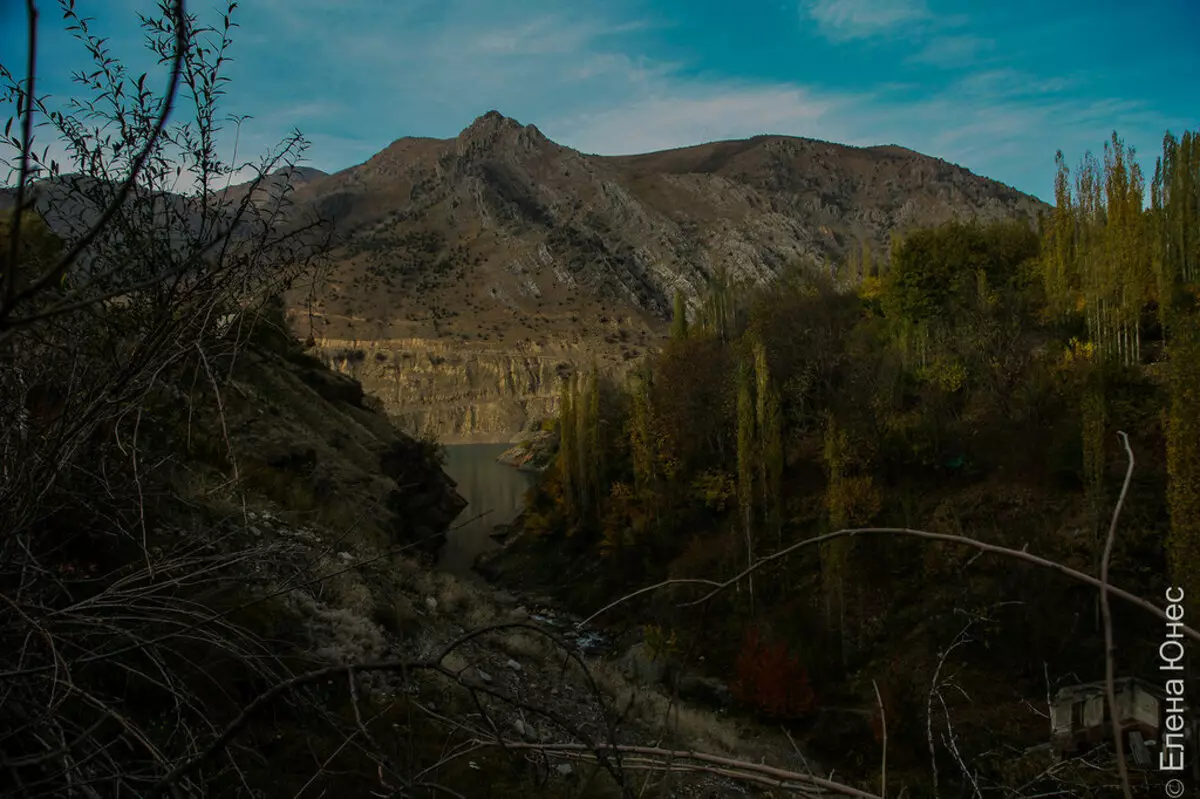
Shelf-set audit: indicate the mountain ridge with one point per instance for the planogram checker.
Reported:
(504, 251)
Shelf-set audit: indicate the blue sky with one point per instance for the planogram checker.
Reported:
(994, 86)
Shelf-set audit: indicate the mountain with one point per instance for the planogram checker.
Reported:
(503, 217)
(271, 185)
(472, 271)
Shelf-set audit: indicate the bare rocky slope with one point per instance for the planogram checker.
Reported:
(471, 271)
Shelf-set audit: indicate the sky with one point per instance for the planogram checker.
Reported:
(996, 87)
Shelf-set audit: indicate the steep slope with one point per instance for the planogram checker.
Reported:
(491, 258)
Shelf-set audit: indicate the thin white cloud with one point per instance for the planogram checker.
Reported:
(844, 20)
(591, 79)
(694, 114)
(1003, 124)
(997, 84)
(552, 34)
(582, 77)
(953, 51)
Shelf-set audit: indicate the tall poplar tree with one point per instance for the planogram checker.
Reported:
(1183, 457)
(868, 261)
(1059, 268)
(770, 443)
(679, 320)
(584, 449)
(1176, 204)
(595, 443)
(1126, 253)
(641, 442)
(835, 554)
(567, 448)
(717, 310)
(745, 462)
(1175, 200)
(773, 455)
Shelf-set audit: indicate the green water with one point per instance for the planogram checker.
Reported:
(493, 489)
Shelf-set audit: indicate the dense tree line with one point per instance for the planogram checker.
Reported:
(929, 386)
(1129, 271)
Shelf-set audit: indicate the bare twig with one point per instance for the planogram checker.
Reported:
(180, 20)
(957, 539)
(657, 757)
(646, 590)
(434, 664)
(1106, 612)
(935, 687)
(26, 107)
(883, 725)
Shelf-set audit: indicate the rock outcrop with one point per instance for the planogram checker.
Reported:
(464, 392)
(533, 453)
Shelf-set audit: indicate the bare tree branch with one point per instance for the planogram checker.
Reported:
(25, 106)
(1106, 611)
(1017, 554)
(883, 727)
(82, 243)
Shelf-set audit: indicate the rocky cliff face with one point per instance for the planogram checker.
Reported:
(505, 254)
(465, 393)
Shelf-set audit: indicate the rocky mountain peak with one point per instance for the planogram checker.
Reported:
(473, 268)
(491, 120)
(494, 131)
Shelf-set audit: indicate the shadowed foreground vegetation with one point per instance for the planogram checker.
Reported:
(208, 573)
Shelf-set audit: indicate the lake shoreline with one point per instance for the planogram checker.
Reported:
(495, 495)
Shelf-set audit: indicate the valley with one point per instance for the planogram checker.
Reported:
(480, 465)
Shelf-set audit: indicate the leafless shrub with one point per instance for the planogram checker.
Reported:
(114, 324)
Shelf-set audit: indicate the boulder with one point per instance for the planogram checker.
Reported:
(704, 691)
(641, 668)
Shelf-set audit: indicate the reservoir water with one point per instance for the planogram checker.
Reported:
(495, 490)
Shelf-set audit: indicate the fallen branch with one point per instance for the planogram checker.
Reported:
(659, 757)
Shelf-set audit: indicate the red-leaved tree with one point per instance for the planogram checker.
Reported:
(771, 680)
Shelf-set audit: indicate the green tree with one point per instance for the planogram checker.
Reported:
(1098, 258)
(1183, 459)
(1059, 266)
(584, 448)
(1176, 205)
(568, 447)
(597, 465)
(641, 436)
(943, 283)
(1175, 209)
(852, 498)
(679, 320)
(718, 312)
(835, 554)
(1125, 249)
(770, 442)
(746, 458)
